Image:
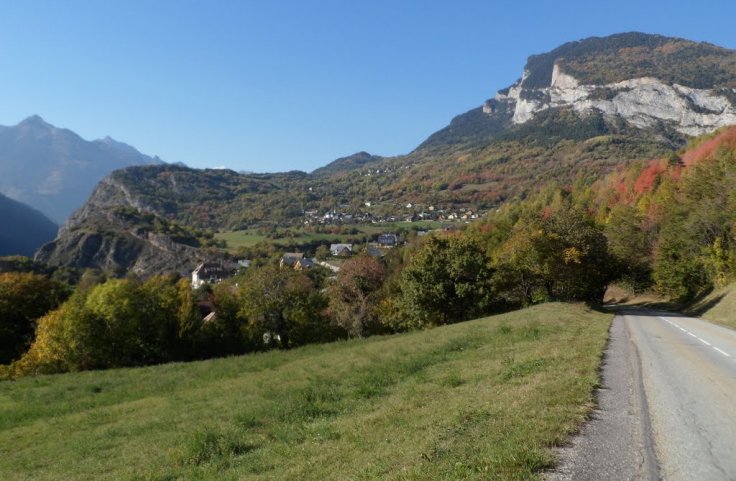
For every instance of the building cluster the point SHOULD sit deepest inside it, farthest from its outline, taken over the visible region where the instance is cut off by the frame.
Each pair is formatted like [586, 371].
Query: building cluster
[413, 213]
[215, 272]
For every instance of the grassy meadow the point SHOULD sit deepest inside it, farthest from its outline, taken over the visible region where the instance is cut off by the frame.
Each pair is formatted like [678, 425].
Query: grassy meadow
[486, 399]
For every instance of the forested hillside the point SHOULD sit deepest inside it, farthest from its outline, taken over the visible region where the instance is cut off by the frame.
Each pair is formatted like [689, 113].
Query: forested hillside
[668, 222]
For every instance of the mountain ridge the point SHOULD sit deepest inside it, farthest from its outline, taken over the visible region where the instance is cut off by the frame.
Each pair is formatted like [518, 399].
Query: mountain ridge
[54, 169]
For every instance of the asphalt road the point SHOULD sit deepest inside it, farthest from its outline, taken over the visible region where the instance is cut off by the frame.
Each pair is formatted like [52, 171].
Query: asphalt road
[667, 405]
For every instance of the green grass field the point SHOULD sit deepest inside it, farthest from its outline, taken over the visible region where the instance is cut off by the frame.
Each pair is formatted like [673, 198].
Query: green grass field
[250, 237]
[481, 400]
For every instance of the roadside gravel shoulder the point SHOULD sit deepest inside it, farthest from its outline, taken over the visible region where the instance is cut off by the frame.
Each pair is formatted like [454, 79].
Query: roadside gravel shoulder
[616, 443]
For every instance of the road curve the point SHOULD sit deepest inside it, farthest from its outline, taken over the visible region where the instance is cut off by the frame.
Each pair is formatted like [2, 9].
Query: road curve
[667, 406]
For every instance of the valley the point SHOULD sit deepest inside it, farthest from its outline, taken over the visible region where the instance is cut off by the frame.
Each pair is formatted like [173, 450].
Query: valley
[431, 315]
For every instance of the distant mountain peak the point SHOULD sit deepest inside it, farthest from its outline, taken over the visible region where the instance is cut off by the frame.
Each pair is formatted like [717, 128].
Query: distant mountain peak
[53, 169]
[34, 121]
[351, 162]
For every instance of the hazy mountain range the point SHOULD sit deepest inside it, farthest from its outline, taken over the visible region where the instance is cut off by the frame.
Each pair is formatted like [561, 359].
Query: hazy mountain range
[54, 170]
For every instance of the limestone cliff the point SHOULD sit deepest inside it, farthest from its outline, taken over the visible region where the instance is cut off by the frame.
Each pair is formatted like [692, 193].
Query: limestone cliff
[642, 102]
[645, 80]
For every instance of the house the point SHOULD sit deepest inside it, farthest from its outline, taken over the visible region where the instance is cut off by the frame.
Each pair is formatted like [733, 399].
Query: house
[388, 240]
[209, 273]
[341, 250]
[374, 252]
[290, 259]
[303, 263]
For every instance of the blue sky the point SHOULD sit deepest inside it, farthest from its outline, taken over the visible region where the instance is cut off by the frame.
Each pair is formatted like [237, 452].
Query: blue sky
[281, 85]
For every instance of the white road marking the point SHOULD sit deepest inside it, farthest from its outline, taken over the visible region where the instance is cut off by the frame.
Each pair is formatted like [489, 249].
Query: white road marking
[696, 337]
[722, 352]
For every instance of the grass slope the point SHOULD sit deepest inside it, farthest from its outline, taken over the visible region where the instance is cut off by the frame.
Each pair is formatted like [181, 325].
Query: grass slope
[486, 399]
[719, 306]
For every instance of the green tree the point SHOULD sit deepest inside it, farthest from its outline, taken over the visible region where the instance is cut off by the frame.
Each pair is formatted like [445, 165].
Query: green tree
[123, 322]
[629, 244]
[226, 333]
[447, 280]
[576, 258]
[519, 269]
[565, 254]
[282, 304]
[322, 252]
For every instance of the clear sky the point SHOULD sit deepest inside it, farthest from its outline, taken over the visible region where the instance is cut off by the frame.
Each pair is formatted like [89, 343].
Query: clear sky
[272, 85]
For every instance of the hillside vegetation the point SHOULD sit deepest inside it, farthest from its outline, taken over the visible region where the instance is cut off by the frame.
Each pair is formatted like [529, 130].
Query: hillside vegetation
[604, 60]
[718, 306]
[485, 399]
[668, 223]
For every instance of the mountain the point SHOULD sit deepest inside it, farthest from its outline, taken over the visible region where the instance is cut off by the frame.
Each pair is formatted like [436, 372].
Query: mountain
[154, 219]
[54, 170]
[347, 164]
[24, 229]
[673, 86]
[578, 113]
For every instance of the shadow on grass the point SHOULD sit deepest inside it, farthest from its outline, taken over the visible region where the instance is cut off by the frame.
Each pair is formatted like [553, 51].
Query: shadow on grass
[694, 307]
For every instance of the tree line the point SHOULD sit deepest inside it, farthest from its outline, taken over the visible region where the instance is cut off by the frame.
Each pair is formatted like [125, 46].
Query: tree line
[441, 279]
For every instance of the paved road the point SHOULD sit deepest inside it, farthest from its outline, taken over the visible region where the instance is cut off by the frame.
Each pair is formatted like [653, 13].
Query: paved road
[667, 407]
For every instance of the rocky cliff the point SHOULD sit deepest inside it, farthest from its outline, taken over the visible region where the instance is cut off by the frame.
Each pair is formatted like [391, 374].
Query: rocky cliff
[643, 102]
[646, 80]
[118, 233]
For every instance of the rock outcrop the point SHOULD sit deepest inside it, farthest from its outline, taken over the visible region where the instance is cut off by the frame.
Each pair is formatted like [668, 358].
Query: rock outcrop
[116, 232]
[643, 102]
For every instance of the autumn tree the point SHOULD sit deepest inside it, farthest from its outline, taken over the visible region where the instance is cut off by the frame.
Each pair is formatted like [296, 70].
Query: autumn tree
[629, 244]
[563, 254]
[24, 297]
[123, 322]
[353, 296]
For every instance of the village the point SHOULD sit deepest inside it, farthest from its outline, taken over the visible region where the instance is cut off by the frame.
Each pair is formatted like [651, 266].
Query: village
[413, 213]
[214, 272]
